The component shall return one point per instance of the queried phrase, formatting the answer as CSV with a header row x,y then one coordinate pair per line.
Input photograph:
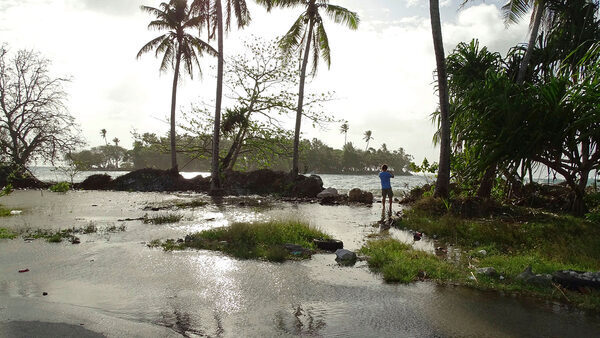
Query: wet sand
x,y
116,286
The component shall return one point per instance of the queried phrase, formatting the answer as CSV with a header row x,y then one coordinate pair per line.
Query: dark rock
x,y
574,280
329,192
328,244
96,182
150,180
527,276
44,293
307,186
23,270
75,240
359,196
417,236
345,257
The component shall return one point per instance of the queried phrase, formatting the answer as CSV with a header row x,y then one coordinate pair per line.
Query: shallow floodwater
x,y
113,284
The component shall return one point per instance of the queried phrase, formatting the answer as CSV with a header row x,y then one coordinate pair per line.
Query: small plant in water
x,y
91,228
60,187
163,218
6,234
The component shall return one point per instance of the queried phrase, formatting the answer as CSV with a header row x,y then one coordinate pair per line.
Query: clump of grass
x,y
191,204
90,228
254,240
163,218
7,234
60,187
4,212
114,228
398,262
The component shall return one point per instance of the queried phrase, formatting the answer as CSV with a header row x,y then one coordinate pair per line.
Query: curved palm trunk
x,y
173,106
537,19
215,182
442,185
301,99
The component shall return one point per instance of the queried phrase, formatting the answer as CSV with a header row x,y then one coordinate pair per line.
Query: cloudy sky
x,y
382,73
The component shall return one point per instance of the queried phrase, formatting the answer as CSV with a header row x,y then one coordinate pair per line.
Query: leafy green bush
x,y
60,187
7,234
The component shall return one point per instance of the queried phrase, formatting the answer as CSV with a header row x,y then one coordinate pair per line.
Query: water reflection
x,y
300,322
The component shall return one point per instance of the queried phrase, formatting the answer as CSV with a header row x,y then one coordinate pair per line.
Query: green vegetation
x,y
252,240
398,262
165,218
7,234
4,212
60,187
512,238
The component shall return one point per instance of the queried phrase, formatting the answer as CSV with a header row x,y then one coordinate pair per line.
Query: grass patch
x,y
166,218
7,234
190,204
4,212
263,240
398,262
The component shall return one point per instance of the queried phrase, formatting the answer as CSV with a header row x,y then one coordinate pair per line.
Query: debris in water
x,y
24,270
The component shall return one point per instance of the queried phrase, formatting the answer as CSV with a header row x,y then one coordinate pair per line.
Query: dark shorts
x,y
387,193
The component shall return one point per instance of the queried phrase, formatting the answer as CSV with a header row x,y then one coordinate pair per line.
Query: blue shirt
x,y
385,176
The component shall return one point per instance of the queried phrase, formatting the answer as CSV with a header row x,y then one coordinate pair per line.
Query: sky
x,y
382,73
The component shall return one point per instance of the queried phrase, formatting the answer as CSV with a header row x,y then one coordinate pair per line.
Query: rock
x,y
328,244
329,192
359,196
501,277
307,186
75,240
97,182
44,293
150,180
482,252
488,271
527,276
573,280
344,256
23,270
417,236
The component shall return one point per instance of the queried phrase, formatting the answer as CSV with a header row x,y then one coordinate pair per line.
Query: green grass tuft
x,y
398,262
4,212
61,187
163,218
7,234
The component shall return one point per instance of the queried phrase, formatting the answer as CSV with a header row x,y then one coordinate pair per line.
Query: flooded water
x,y
112,283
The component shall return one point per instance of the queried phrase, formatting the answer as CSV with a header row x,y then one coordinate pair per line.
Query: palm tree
x,y
103,134
309,29
233,9
368,137
116,141
442,185
176,45
344,130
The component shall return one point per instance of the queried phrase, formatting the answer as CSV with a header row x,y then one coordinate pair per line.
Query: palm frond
x,y
168,58
151,45
514,10
159,25
342,15
323,41
202,46
240,10
292,39
316,52
154,11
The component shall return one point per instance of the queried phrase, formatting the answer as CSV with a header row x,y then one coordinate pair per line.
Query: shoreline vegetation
x,y
512,249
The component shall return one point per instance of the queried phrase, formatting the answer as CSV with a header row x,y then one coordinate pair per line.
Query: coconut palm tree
x,y
306,32
368,137
116,141
212,11
103,134
344,130
442,185
175,45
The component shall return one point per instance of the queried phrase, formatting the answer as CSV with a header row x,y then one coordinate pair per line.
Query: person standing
x,y
386,187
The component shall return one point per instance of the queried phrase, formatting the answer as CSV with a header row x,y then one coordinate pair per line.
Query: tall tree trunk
x,y
442,185
301,99
173,107
537,19
215,182
237,151
487,182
